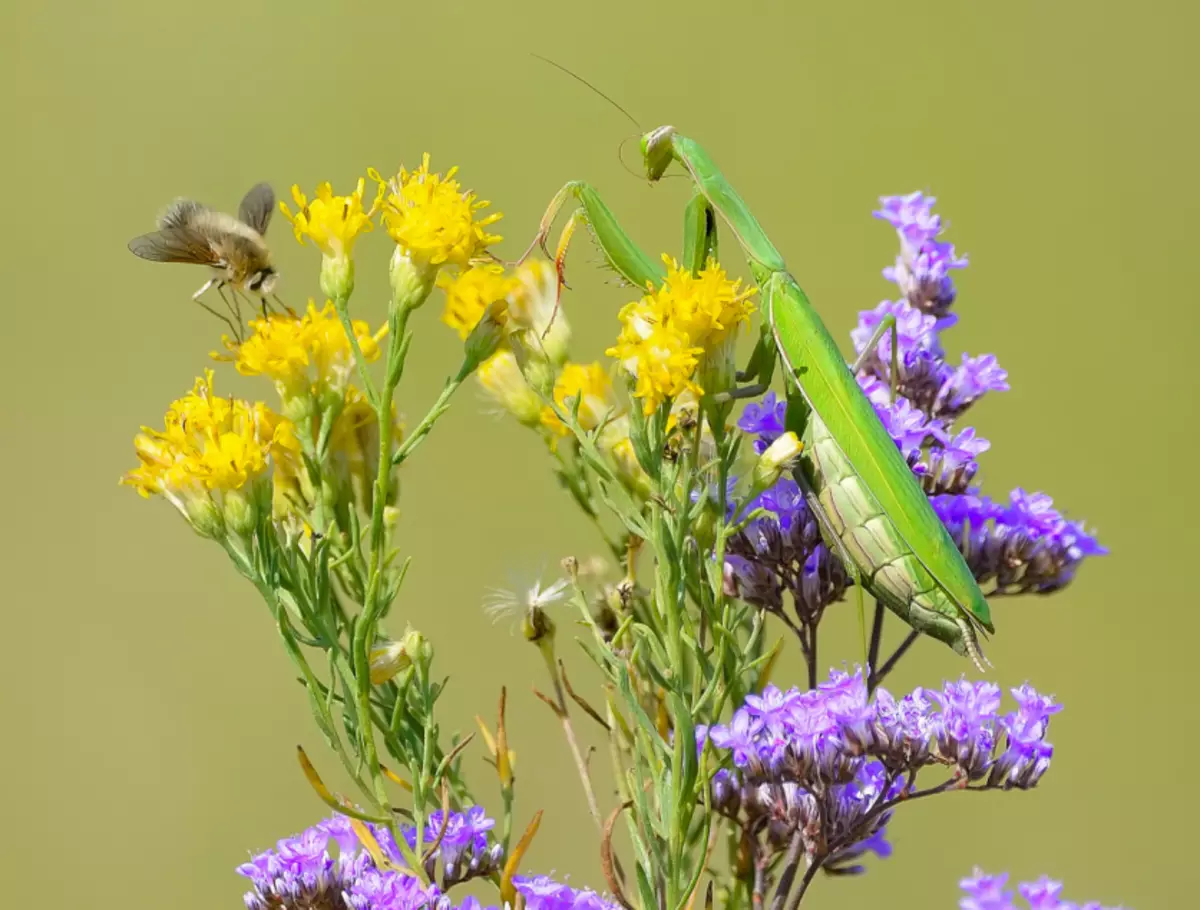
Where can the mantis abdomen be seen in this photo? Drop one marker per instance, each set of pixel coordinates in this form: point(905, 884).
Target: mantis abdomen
point(858, 528)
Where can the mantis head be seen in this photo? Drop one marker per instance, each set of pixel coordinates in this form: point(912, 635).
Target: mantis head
point(657, 151)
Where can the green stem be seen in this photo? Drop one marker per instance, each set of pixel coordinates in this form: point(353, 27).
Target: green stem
point(341, 304)
point(439, 408)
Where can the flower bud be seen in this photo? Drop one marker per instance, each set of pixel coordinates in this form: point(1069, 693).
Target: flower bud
point(502, 379)
point(411, 281)
point(418, 647)
point(779, 456)
point(241, 513)
point(204, 518)
point(337, 277)
point(387, 659)
point(536, 367)
point(485, 338)
point(391, 516)
point(298, 406)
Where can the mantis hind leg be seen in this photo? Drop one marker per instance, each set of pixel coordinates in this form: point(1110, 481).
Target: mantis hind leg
point(886, 325)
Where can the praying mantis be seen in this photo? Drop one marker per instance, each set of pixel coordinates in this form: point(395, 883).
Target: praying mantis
point(871, 510)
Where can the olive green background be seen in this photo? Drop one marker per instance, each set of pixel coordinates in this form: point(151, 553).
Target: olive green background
point(149, 717)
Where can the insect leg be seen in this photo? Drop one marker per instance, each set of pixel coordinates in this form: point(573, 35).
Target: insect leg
point(887, 324)
point(234, 307)
point(208, 284)
point(225, 319)
point(283, 306)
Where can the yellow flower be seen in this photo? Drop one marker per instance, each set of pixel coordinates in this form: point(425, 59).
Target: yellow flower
point(470, 295)
point(502, 380)
point(660, 357)
point(303, 355)
point(432, 219)
point(533, 306)
point(210, 452)
point(332, 222)
point(666, 333)
point(707, 306)
point(589, 383)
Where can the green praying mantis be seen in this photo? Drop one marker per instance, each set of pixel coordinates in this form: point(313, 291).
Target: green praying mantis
point(871, 510)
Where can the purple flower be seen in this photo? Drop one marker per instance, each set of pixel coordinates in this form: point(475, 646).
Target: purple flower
point(301, 872)
point(766, 419)
point(922, 271)
point(988, 892)
point(783, 551)
point(543, 893)
point(832, 763)
point(912, 215)
point(968, 383)
point(1026, 546)
point(387, 889)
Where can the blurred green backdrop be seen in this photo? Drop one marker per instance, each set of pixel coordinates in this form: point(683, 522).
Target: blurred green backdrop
point(150, 715)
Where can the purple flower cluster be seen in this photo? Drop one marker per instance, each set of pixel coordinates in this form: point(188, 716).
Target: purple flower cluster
point(781, 551)
point(830, 764)
point(302, 874)
point(1024, 546)
point(543, 893)
point(923, 268)
point(922, 272)
point(988, 892)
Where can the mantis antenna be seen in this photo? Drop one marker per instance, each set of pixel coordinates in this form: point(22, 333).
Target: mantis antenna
point(578, 78)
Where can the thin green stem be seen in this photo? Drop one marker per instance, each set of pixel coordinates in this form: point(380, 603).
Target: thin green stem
point(440, 407)
point(341, 304)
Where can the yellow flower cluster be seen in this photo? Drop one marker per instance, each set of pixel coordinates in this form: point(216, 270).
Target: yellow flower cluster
point(590, 386)
point(303, 356)
point(529, 294)
point(433, 219)
point(665, 335)
point(209, 451)
point(472, 293)
point(353, 460)
point(332, 222)
point(213, 452)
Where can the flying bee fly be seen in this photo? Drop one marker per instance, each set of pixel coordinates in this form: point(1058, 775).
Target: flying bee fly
point(233, 248)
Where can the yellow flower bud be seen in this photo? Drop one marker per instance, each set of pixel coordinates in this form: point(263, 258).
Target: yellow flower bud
point(536, 367)
point(485, 338)
point(502, 379)
point(241, 513)
point(411, 280)
point(779, 456)
point(387, 659)
point(205, 518)
point(337, 277)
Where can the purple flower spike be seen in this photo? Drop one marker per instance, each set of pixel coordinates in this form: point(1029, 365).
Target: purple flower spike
point(912, 215)
point(988, 892)
point(922, 269)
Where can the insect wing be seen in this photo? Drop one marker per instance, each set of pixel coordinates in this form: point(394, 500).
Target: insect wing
point(179, 214)
point(174, 245)
point(257, 207)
